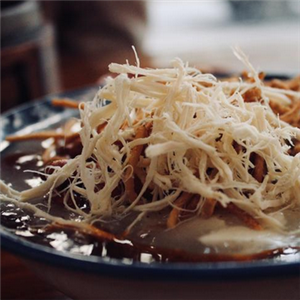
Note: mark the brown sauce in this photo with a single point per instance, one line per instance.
(143, 245)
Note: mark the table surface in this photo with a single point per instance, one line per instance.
(18, 282)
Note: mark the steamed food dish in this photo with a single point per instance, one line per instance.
(171, 165)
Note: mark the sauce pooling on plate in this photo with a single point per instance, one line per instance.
(147, 243)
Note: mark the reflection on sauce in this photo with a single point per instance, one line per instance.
(33, 182)
(74, 241)
(25, 158)
(141, 247)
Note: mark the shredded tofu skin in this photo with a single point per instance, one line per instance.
(177, 130)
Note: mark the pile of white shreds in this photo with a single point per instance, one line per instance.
(195, 120)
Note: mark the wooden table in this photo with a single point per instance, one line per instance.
(18, 282)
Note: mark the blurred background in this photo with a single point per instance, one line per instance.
(49, 46)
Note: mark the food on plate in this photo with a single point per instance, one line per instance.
(176, 164)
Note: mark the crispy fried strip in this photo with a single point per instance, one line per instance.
(87, 229)
(292, 114)
(190, 207)
(193, 203)
(252, 95)
(141, 132)
(260, 169)
(124, 125)
(292, 84)
(141, 174)
(65, 102)
(278, 108)
(280, 84)
(246, 76)
(180, 202)
(101, 127)
(297, 148)
(208, 207)
(53, 159)
(244, 216)
(144, 162)
(129, 188)
(42, 135)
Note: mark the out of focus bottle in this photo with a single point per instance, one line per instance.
(28, 57)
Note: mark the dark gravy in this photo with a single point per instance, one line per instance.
(146, 243)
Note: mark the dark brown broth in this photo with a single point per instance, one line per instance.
(145, 243)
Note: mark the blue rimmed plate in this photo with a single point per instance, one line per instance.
(90, 277)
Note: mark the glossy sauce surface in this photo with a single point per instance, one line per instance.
(149, 240)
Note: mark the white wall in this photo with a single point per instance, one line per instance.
(203, 32)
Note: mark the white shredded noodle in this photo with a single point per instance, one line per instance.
(195, 121)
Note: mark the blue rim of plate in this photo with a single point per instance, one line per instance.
(135, 270)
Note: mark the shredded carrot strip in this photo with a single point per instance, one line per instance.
(42, 135)
(124, 125)
(244, 216)
(252, 95)
(174, 214)
(293, 114)
(53, 159)
(190, 207)
(278, 108)
(65, 102)
(246, 76)
(144, 162)
(297, 148)
(280, 84)
(193, 203)
(208, 207)
(292, 84)
(101, 127)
